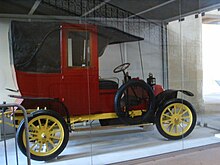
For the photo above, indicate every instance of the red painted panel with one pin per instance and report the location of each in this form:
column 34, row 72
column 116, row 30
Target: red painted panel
column 39, row 85
column 157, row 89
column 107, row 100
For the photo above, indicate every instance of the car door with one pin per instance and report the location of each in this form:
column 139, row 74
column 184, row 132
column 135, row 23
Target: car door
column 80, row 69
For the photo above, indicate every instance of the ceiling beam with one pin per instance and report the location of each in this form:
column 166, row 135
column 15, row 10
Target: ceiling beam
column 200, row 10
column 34, row 7
column 95, row 8
column 152, row 8
column 70, row 18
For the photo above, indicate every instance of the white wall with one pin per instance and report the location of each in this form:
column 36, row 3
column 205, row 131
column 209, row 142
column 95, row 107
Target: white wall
column 185, row 58
column 6, row 72
column 151, row 51
column 109, row 60
column 211, row 58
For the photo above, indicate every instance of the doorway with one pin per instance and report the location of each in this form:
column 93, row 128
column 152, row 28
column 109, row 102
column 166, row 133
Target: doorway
column 211, row 67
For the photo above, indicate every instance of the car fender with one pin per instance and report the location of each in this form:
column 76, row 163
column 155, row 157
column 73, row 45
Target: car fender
column 169, row 94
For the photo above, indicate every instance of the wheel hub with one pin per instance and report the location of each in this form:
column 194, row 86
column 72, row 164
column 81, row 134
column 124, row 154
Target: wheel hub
column 176, row 119
column 43, row 135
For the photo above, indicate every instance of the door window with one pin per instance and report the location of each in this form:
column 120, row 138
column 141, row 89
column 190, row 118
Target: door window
column 78, row 49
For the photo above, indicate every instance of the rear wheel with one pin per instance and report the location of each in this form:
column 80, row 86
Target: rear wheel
column 176, row 119
column 48, row 135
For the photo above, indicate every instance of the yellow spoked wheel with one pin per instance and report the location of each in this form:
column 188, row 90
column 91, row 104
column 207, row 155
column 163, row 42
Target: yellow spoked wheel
column 48, row 135
column 176, row 119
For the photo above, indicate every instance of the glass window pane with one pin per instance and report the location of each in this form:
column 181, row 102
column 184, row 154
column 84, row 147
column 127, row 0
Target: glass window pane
column 78, row 49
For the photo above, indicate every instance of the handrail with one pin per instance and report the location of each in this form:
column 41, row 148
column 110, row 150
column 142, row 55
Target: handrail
column 3, row 108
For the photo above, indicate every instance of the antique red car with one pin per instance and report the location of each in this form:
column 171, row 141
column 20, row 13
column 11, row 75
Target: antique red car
column 57, row 72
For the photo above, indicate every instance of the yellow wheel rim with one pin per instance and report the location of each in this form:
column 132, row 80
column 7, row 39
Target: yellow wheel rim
column 176, row 119
column 46, row 135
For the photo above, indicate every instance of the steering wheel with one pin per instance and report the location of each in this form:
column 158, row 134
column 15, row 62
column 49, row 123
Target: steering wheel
column 121, row 67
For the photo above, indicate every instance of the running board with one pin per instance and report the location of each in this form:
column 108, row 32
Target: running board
column 98, row 127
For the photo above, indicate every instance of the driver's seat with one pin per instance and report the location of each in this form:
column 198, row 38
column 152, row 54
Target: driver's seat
column 107, row 84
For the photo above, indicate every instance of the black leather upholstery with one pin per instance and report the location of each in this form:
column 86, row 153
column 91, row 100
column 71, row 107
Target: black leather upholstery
column 107, row 84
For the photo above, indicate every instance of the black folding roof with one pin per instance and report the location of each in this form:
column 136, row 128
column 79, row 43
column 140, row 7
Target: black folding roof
column 35, row 46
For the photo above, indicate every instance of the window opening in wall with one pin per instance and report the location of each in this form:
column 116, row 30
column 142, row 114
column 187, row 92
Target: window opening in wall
column 211, row 67
column 211, row 56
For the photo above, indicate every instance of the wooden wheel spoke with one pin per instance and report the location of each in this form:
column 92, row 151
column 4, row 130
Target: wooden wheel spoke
column 180, row 109
column 165, row 115
column 52, row 126
column 40, row 147
column 33, row 133
column 55, row 131
column 166, row 120
column 46, row 123
column 47, row 148
column 175, row 108
column 33, row 138
column 32, row 147
column 185, row 122
column 168, row 125
column 55, row 137
column 184, row 111
column 33, row 126
column 185, row 117
column 177, row 129
column 172, row 127
column 170, row 111
column 39, row 122
column 51, row 142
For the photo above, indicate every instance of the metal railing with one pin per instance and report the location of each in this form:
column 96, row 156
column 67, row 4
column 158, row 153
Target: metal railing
column 4, row 108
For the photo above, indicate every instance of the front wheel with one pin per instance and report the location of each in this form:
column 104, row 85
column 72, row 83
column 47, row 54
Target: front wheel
column 48, row 135
column 176, row 119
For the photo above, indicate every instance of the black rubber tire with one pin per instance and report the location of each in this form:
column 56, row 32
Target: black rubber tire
column 50, row 114
column 164, row 109
column 124, row 116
